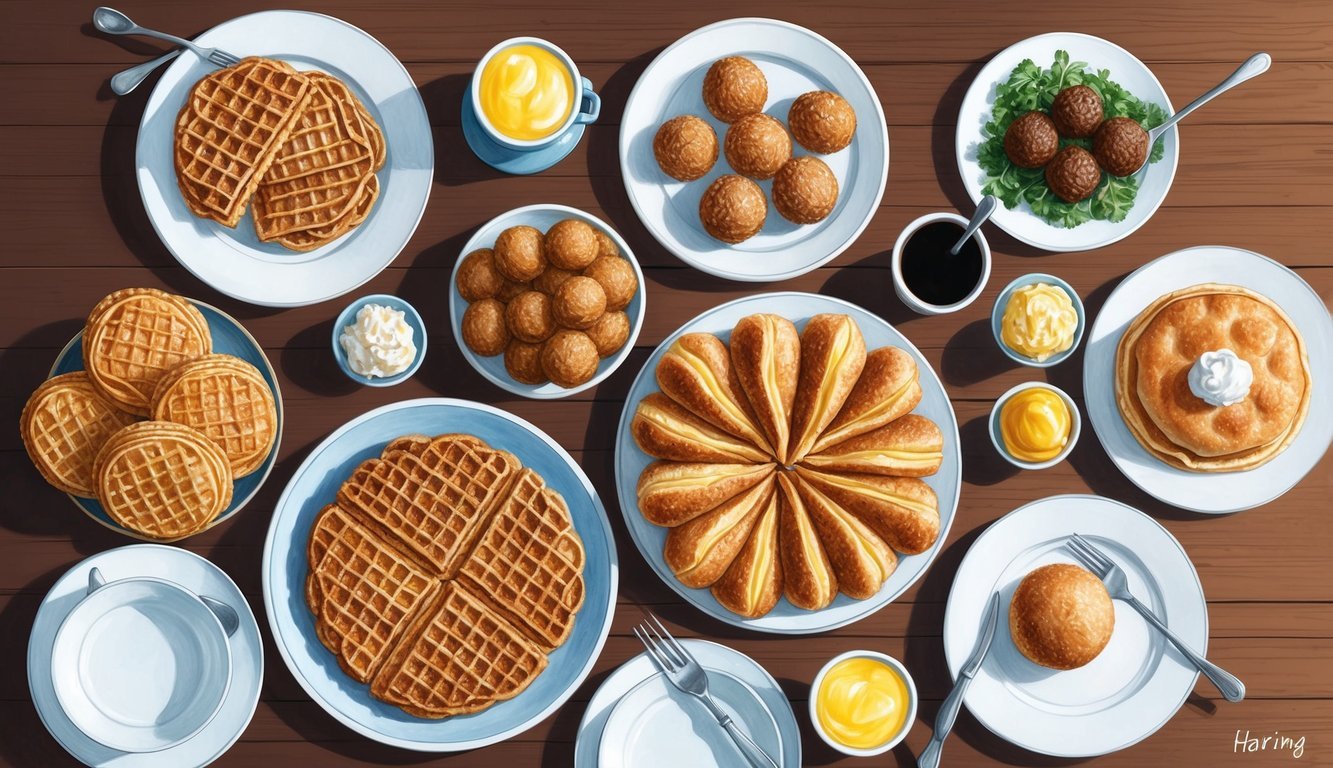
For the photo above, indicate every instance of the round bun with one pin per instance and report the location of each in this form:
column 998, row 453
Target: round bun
column 571, row 244
column 733, row 209
column 685, row 147
column 569, row 358
column 578, row 302
column 1061, row 616
column 617, row 279
column 757, row 145
column 805, row 190
column 609, row 333
column 822, row 122
column 510, row 290
column 529, row 317
column 477, row 276
column 484, row 329
column 523, row 361
column 550, row 279
column 519, row 253
column 606, row 246
column 733, row 88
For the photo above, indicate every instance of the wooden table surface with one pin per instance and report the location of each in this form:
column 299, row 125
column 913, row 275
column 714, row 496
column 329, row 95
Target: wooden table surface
column 1254, row 173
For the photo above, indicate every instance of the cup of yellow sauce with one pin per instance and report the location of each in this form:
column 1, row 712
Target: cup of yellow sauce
column 1038, row 320
column 1035, row 425
column 863, row 703
column 526, row 94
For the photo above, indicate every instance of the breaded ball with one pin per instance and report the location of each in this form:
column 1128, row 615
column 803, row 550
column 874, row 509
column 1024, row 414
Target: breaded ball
column 1076, row 111
column 571, row 244
column 477, row 276
column 617, row 278
column 757, row 145
column 685, row 147
column 1120, row 146
column 569, row 358
column 1031, row 140
column 510, row 289
column 519, row 253
column 733, row 88
column 550, row 279
column 1073, row 175
column 578, row 302
column 822, row 122
column 529, row 317
column 805, row 190
column 733, row 209
column 606, row 245
column 484, row 329
column 523, row 361
column 609, row 333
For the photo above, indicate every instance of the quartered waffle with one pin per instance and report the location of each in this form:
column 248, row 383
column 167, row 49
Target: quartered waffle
column 444, row 574
column 64, row 425
column 227, row 399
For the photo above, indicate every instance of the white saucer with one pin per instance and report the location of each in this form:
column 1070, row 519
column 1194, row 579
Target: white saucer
column 720, row 661
column 195, row 574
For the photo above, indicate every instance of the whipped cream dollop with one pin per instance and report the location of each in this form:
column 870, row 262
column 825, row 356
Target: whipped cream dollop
column 1220, row 378
column 379, row 343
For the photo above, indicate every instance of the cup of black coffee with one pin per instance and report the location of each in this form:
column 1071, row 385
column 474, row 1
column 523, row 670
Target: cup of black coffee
column 929, row 279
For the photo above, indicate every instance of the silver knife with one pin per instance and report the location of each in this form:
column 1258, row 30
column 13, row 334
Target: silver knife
column 930, row 756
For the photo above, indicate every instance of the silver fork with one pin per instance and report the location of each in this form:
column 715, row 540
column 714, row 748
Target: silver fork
column 113, row 22
column 1118, row 586
column 684, row 672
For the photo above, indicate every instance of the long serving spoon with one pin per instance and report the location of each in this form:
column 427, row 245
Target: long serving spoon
column 113, row 22
column 1252, row 67
column 984, row 210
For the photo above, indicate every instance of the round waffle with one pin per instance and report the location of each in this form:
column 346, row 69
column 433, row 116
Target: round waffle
column 163, row 480
column 64, row 425
column 133, row 337
column 227, row 399
column 1153, row 361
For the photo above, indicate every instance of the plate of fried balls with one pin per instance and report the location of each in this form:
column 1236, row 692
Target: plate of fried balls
column 754, row 150
column 546, row 301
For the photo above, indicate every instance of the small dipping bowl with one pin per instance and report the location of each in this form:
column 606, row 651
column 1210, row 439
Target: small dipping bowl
column 1002, row 301
column 1075, row 426
column 898, row 669
column 915, row 303
column 348, row 317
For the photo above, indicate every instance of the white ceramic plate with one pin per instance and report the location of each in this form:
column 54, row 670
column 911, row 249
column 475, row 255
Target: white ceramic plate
column 1137, row 682
column 719, row 660
column 1212, row 492
column 794, row 60
column 235, row 261
column 285, row 567
column 1128, row 71
column 195, row 574
column 657, row 726
column 542, row 216
column 786, row 618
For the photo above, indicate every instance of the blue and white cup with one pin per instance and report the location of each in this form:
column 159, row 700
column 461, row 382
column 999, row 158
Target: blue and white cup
column 587, row 108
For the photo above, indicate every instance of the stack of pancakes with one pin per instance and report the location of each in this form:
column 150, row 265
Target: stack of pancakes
column 444, row 574
column 1153, row 362
column 789, row 463
column 301, row 145
column 214, row 418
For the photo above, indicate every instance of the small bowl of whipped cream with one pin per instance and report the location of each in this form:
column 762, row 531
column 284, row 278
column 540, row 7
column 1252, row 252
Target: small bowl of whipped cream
column 379, row 340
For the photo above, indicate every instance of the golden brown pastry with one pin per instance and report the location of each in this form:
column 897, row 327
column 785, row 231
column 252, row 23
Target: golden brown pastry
column 756, row 146
column 529, row 317
column 571, row 244
column 822, row 122
column 696, row 372
column 578, row 302
column 671, row 493
column 609, row 332
column 903, row 511
column 909, row 446
column 511, row 289
column 733, row 209
column 664, row 429
column 832, row 356
column 550, row 279
column 477, row 276
column 860, row 559
column 484, row 329
column 699, row 551
column 766, row 356
column 807, row 575
column 606, row 245
column 805, row 190
column 685, row 147
column 733, row 88
column 519, row 253
column 523, row 362
column 617, row 279
column 569, row 358
column 1061, row 616
column 752, row 584
column 887, row 389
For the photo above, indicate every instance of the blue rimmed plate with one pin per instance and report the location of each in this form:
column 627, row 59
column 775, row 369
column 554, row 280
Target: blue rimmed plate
column 316, row 483
column 229, row 338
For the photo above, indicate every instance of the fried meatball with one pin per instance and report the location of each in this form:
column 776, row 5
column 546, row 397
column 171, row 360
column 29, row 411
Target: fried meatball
column 569, row 358
column 757, row 145
column 477, row 277
column 484, row 329
column 523, row 361
column 1031, row 140
column 733, row 208
column 1076, row 111
column 519, row 253
column 578, row 302
column 550, row 279
column 805, row 190
column 606, row 245
column 529, row 317
column 1073, row 174
column 733, row 88
column 510, row 289
column 609, row 333
column 571, row 244
column 617, row 278
column 685, row 147
column 822, row 122
column 1121, row 146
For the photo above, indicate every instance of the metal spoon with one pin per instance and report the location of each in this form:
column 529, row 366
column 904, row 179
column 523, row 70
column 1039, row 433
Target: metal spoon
column 227, row 615
column 125, row 81
column 113, row 22
column 1253, row 67
column 984, row 210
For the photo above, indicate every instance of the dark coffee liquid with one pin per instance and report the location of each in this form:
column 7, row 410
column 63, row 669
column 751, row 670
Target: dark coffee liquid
column 934, row 275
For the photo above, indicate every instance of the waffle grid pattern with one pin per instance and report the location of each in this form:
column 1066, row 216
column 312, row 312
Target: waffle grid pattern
column 231, row 405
